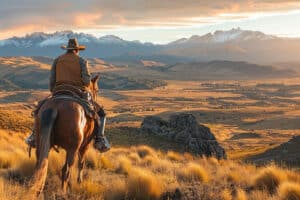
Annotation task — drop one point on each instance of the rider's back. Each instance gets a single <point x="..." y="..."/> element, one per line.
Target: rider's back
<point x="68" y="70"/>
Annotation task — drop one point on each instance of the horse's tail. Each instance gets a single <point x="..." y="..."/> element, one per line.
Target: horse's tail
<point x="47" y="121"/>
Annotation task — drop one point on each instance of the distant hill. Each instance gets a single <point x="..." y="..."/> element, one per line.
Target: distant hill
<point x="232" y="45"/>
<point x="287" y="153"/>
<point x="18" y="73"/>
<point x="223" y="70"/>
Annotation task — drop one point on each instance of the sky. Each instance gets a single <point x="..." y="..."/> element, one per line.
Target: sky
<point x="158" y="21"/>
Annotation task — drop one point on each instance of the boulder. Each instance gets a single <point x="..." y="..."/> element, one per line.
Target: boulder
<point x="184" y="129"/>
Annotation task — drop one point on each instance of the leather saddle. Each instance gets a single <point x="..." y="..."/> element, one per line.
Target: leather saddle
<point x="71" y="93"/>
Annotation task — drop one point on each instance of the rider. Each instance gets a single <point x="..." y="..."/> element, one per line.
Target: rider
<point x="72" y="69"/>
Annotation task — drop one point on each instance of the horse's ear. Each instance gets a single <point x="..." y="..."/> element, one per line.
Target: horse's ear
<point x="95" y="78"/>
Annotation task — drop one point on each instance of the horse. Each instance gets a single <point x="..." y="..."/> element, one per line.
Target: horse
<point x="62" y="123"/>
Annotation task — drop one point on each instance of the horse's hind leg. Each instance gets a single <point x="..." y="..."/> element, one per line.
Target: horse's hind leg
<point x="81" y="155"/>
<point x="66" y="169"/>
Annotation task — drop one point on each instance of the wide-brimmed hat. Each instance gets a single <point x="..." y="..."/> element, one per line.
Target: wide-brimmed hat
<point x="73" y="44"/>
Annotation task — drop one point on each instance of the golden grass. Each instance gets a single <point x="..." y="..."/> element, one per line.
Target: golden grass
<point x="241" y="195"/>
<point x="11" y="191"/>
<point x="124" y="165"/>
<point x="143" y="184"/>
<point x="226" y="195"/>
<point x="89" y="189"/>
<point x="174" y="156"/>
<point x="117" y="192"/>
<point x="144" y="150"/>
<point x="149" y="160"/>
<point x="193" y="172"/>
<point x="6" y="160"/>
<point x="269" y="178"/>
<point x="289" y="191"/>
<point x="134" y="157"/>
<point x="144" y="173"/>
<point x="24" y="168"/>
<point x="106" y="163"/>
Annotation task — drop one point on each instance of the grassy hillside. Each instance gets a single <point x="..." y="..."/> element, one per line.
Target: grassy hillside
<point x="18" y="73"/>
<point x="134" y="170"/>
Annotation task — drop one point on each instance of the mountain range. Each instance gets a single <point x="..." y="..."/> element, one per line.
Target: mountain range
<point x="232" y="45"/>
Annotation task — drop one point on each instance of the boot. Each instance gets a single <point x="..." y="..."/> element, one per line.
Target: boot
<point x="30" y="140"/>
<point x="100" y="141"/>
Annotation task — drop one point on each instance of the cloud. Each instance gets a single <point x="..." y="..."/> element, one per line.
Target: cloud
<point x="36" y="15"/>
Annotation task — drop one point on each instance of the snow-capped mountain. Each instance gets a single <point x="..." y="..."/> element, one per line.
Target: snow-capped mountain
<point x="40" y="39"/>
<point x="233" y="45"/>
<point x="233" y="35"/>
<point x="47" y="44"/>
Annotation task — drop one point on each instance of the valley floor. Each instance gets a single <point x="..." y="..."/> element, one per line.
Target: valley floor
<point x="247" y="118"/>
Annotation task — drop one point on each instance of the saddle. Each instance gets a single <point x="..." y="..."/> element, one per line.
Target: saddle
<point x="71" y="93"/>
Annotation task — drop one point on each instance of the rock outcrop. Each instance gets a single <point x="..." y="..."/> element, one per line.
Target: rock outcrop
<point x="184" y="129"/>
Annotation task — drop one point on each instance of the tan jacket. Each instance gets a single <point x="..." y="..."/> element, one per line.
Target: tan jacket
<point x="70" y="69"/>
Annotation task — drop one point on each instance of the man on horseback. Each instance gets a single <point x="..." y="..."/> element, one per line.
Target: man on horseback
<point x="71" y="71"/>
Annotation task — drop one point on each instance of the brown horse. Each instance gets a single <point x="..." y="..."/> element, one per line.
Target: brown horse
<point x="62" y="123"/>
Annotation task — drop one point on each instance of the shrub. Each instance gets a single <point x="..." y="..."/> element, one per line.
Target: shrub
<point x="171" y="155"/>
<point x="241" y="195"/>
<point x="289" y="191"/>
<point x="124" y="165"/>
<point x="143" y="184"/>
<point x="193" y="172"/>
<point x="144" y="151"/>
<point x="149" y="160"/>
<point x="117" y="192"/>
<point x="269" y="178"/>
<point x="105" y="163"/>
<point x="5" y="160"/>
<point x="134" y="157"/>
<point x="226" y="195"/>
<point x="89" y="189"/>
<point x="24" y="169"/>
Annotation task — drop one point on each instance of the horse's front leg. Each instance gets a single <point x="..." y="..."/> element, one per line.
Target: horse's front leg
<point x="67" y="168"/>
<point x="81" y="161"/>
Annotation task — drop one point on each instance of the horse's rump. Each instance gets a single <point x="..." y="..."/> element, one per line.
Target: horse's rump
<point x="71" y="124"/>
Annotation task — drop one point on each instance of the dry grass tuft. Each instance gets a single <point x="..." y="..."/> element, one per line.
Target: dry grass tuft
<point x="162" y="166"/>
<point x="134" y="157"/>
<point x="193" y="172"/>
<point x="233" y="177"/>
<point x="145" y="151"/>
<point x="11" y="191"/>
<point x="6" y="160"/>
<point x="143" y="184"/>
<point x="92" y="159"/>
<point x="213" y="161"/>
<point x="269" y="179"/>
<point x="226" y="195"/>
<point x="149" y="160"/>
<point x="25" y="168"/>
<point x="174" y="156"/>
<point x="105" y="163"/>
<point x="56" y="162"/>
<point x="124" y="165"/>
<point x="289" y="191"/>
<point x="188" y="156"/>
<point x="89" y="189"/>
<point x="259" y="195"/>
<point x="117" y="192"/>
<point x="241" y="195"/>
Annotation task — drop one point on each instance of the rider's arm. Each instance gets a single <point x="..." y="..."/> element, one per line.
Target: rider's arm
<point x="52" y="79"/>
<point x="85" y="74"/>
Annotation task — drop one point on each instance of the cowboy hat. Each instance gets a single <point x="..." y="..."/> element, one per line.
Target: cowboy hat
<point x="73" y="44"/>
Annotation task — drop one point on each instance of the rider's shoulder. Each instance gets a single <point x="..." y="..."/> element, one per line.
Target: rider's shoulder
<point x="82" y="59"/>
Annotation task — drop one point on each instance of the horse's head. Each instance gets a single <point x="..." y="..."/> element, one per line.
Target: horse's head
<point x="94" y="86"/>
